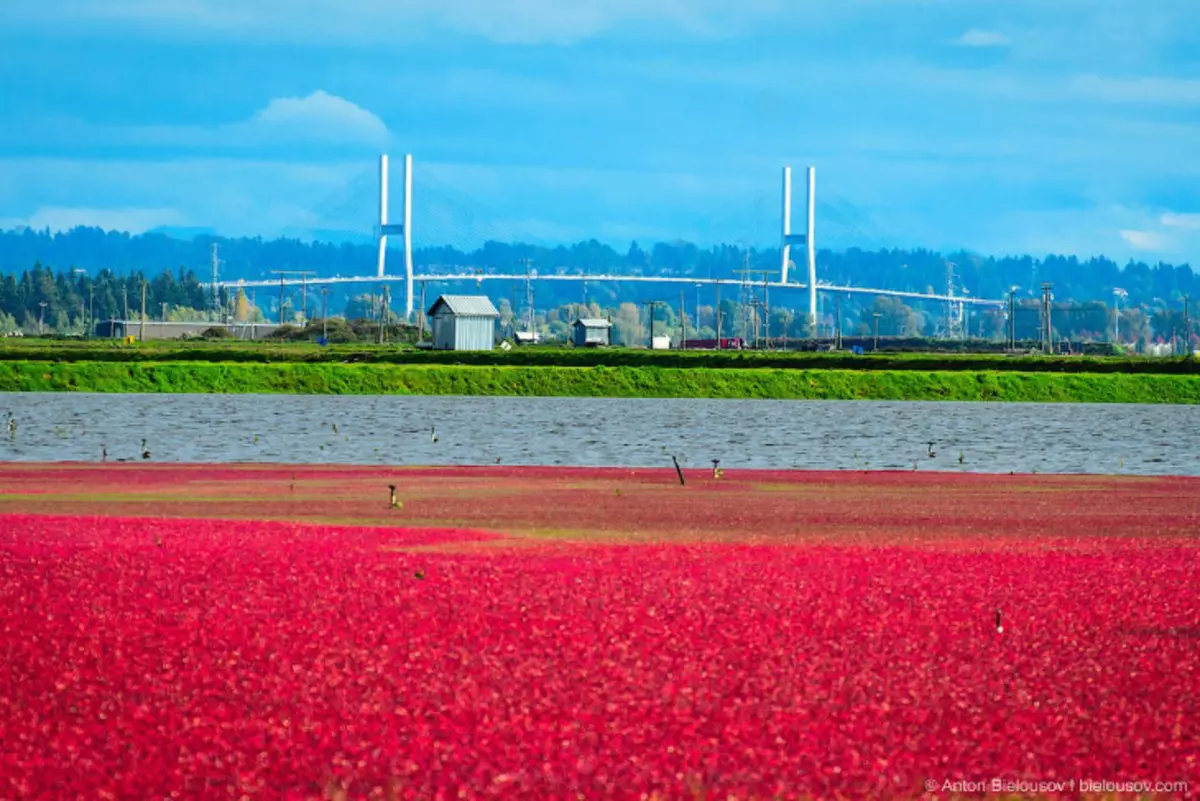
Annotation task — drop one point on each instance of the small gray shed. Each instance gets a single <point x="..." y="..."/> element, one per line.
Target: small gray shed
<point x="463" y="322"/>
<point x="591" y="331"/>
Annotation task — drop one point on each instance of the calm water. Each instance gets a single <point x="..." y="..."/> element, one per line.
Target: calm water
<point x="1148" y="440"/>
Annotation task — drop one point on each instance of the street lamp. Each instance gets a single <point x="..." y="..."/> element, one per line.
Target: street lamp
<point x="1118" y="295"/>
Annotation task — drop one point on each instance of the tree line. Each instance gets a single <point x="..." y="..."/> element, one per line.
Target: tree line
<point x="94" y="282"/>
<point x="62" y="301"/>
<point x="918" y="270"/>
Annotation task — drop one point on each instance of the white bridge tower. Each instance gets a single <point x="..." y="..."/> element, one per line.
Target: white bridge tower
<point x="404" y="228"/>
<point x="807" y="239"/>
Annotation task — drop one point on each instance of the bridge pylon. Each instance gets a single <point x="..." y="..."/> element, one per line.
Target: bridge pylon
<point x="808" y="238"/>
<point x="404" y="229"/>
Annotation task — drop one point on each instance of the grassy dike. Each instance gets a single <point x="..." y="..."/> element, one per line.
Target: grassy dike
<point x="615" y="382"/>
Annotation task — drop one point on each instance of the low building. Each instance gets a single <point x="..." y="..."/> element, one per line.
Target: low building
<point x="660" y="343"/>
<point x="527" y="337"/>
<point x="463" y="322"/>
<point x="591" y="332"/>
<point x="159" y="329"/>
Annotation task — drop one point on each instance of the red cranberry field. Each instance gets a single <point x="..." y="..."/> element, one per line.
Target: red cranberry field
<point x="278" y="632"/>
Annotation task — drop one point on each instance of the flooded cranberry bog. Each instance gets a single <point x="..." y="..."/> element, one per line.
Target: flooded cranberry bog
<point x="279" y="632"/>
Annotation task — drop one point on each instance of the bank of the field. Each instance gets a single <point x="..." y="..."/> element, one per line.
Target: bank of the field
<point x="615" y="382"/>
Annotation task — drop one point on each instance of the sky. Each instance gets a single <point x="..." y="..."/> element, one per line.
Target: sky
<point x="1000" y="126"/>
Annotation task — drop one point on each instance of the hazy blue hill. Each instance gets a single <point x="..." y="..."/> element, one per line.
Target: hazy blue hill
<point x="180" y="232"/>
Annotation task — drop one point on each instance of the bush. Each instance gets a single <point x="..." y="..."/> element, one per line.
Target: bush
<point x="216" y="332"/>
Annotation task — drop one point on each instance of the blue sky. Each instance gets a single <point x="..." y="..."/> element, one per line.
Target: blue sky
<point x="1002" y="126"/>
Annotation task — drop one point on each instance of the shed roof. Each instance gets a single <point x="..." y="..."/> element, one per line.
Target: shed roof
<point x="465" y="306"/>
<point x="592" y="322"/>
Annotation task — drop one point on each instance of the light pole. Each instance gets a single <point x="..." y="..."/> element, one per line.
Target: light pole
<point x="875" y="347"/>
<point x="42" y="317"/>
<point x="1118" y="294"/>
<point x="85" y="315"/>
<point x="1187" y="327"/>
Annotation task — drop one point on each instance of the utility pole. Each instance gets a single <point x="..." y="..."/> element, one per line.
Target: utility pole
<point x="1118" y="293"/>
<point x="767" y="310"/>
<point x="42" y="317"/>
<point x="421" y="316"/>
<point x="837" y="317"/>
<point x="383" y="312"/>
<point x="1187" y="328"/>
<point x="875" y="347"/>
<point x="164" y="311"/>
<point x="653" y="303"/>
<point x="682" y="323"/>
<point x="304" y="300"/>
<point x="142" y="329"/>
<point x="325" y="312"/>
<point x="216" y="268"/>
<point x="529" y="274"/>
<point x="720" y="345"/>
<point x="1012" y="319"/>
<point x="283" y="274"/>
<point x="1047" y="327"/>
<point x="91" y="308"/>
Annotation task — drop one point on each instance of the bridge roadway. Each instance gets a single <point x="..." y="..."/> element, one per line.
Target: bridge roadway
<point x="600" y="278"/>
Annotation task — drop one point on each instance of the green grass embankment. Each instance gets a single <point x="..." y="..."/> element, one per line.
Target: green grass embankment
<point x="616" y="382"/>
<point x="549" y="356"/>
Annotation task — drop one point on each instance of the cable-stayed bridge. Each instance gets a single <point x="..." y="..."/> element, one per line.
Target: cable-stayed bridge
<point x="451" y="216"/>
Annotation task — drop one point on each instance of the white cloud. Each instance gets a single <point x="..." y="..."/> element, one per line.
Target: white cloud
<point x="1189" y="221"/>
<point x="133" y="220"/>
<point x="981" y="38"/>
<point x="1145" y="240"/>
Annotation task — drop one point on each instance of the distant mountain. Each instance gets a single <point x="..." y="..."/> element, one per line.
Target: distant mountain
<point x="184" y="233"/>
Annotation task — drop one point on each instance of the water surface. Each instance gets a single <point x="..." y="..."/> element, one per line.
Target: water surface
<point x="991" y="437"/>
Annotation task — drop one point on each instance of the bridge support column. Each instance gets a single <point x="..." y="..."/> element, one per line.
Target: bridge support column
<point x="408" y="262"/>
<point x="404" y="228"/>
<point x="808" y="239"/>
<point x="811" y="249"/>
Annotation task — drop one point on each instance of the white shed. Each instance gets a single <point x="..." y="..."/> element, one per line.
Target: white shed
<point x="591" y="331"/>
<point x="463" y="322"/>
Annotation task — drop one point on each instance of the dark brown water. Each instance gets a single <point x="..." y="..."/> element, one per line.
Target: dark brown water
<point x="992" y="437"/>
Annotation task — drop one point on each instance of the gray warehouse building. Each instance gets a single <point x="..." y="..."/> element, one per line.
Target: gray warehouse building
<point x="463" y="322"/>
<point x="591" y="331"/>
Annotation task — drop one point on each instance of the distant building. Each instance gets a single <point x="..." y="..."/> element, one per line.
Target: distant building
<point x="158" y="329"/>
<point x="463" y="322"/>
<point x="526" y="337"/>
<point x="660" y="343"/>
<point x="591" y="332"/>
